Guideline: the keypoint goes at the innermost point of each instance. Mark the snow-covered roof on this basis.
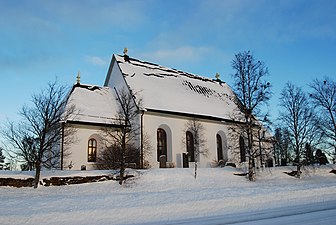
(172, 90)
(93, 104)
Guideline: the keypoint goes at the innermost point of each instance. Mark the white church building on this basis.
(170, 98)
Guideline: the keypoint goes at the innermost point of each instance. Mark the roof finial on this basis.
(217, 76)
(78, 78)
(126, 57)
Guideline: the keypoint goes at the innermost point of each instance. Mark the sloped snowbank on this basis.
(162, 195)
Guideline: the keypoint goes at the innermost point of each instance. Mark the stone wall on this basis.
(53, 181)
(17, 182)
(58, 181)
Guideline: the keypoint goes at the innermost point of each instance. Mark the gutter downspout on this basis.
(62, 144)
(141, 140)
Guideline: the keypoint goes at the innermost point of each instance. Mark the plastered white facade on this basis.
(77, 151)
(175, 128)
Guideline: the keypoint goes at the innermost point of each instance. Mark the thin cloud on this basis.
(97, 14)
(96, 60)
(183, 54)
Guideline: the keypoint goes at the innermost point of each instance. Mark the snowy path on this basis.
(308, 214)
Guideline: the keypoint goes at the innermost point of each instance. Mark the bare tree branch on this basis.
(123, 147)
(252, 91)
(36, 139)
(199, 141)
(323, 97)
(298, 117)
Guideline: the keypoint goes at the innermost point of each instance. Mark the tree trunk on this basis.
(251, 172)
(37, 174)
(123, 151)
(122, 172)
(298, 168)
(196, 152)
(195, 169)
(122, 168)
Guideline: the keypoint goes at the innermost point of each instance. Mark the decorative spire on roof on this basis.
(126, 57)
(218, 79)
(78, 78)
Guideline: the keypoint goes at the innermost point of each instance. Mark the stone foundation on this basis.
(54, 181)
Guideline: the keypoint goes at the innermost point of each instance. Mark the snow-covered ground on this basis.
(173, 196)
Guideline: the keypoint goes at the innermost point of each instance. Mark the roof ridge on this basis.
(167, 69)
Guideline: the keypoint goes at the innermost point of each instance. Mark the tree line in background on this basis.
(307, 129)
(305, 132)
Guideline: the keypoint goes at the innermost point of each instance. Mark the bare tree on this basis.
(282, 149)
(252, 91)
(111, 156)
(124, 141)
(36, 139)
(323, 97)
(278, 145)
(298, 117)
(2, 160)
(198, 142)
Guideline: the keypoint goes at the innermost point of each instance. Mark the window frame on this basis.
(161, 139)
(190, 147)
(220, 155)
(92, 150)
(242, 149)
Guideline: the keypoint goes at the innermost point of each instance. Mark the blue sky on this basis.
(42, 39)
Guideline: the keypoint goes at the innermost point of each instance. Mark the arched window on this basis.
(242, 149)
(92, 150)
(219, 147)
(190, 146)
(161, 143)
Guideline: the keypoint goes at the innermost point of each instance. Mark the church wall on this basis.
(78, 150)
(175, 127)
